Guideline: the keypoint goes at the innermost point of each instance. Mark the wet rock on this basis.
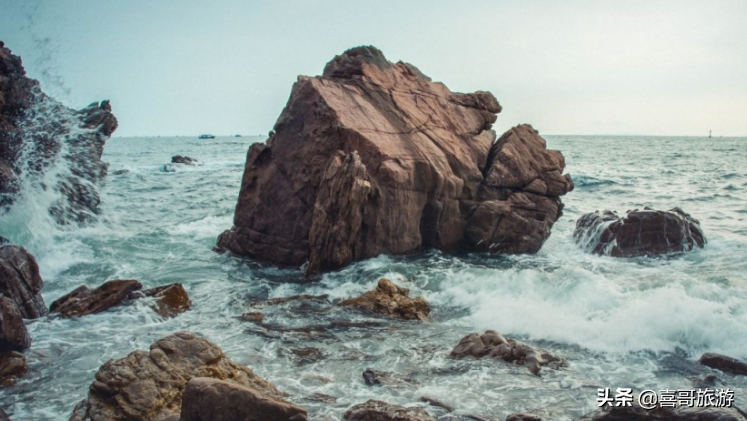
(148, 385)
(171, 299)
(437, 403)
(373, 377)
(209, 399)
(320, 398)
(636, 413)
(21, 282)
(523, 417)
(292, 298)
(35, 130)
(645, 232)
(493, 344)
(391, 300)
(3, 415)
(121, 172)
(168, 168)
(374, 410)
(179, 159)
(12, 367)
(254, 317)
(13, 333)
(307, 355)
(82, 300)
(706, 381)
(373, 157)
(722, 362)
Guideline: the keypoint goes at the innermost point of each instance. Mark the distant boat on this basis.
(206, 136)
(237, 135)
(709, 134)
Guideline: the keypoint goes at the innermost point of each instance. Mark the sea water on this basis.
(637, 323)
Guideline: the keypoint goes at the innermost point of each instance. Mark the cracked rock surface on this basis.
(374, 157)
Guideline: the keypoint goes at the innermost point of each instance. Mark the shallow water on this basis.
(639, 323)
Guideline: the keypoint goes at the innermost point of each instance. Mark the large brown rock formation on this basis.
(373, 157)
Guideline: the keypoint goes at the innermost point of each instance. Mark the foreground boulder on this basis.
(38, 133)
(724, 363)
(206, 399)
(12, 367)
(393, 301)
(636, 413)
(83, 300)
(640, 233)
(374, 410)
(373, 157)
(493, 344)
(148, 385)
(13, 333)
(21, 282)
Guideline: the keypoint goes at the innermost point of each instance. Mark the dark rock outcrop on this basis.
(179, 159)
(3, 416)
(724, 363)
(393, 301)
(12, 367)
(37, 133)
(374, 410)
(522, 417)
(208, 399)
(21, 282)
(640, 233)
(636, 413)
(493, 344)
(13, 333)
(373, 157)
(148, 385)
(83, 300)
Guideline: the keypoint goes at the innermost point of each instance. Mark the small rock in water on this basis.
(708, 380)
(393, 301)
(523, 417)
(437, 403)
(494, 345)
(374, 410)
(82, 300)
(4, 416)
(640, 233)
(724, 363)
(171, 299)
(12, 367)
(307, 355)
(179, 159)
(208, 399)
(253, 316)
(168, 168)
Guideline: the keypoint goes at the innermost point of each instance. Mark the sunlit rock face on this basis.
(374, 157)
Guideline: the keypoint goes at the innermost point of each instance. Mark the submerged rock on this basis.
(724, 363)
(393, 301)
(640, 233)
(148, 385)
(179, 159)
(83, 300)
(522, 417)
(437, 403)
(373, 157)
(21, 282)
(493, 344)
(38, 133)
(209, 399)
(12, 367)
(13, 333)
(374, 410)
(636, 413)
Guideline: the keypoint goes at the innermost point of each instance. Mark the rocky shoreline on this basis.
(370, 158)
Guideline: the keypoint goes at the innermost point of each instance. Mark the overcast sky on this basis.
(185, 67)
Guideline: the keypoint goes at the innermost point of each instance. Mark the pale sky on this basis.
(186, 67)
